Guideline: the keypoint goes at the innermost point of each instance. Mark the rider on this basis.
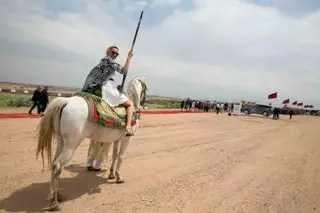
(101, 83)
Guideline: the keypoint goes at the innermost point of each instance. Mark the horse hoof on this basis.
(55, 206)
(111, 176)
(120, 181)
(60, 197)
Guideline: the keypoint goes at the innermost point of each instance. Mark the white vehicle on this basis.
(237, 105)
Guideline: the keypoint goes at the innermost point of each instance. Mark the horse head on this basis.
(137, 91)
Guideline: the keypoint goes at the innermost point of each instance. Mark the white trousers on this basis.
(98, 150)
(111, 94)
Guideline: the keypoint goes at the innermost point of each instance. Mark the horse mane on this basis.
(131, 91)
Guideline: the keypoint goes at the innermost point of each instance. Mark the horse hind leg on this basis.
(55, 170)
(58, 150)
(57, 166)
(53, 195)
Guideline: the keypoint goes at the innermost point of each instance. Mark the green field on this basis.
(24, 100)
(6, 96)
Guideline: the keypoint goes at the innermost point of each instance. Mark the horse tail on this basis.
(46, 129)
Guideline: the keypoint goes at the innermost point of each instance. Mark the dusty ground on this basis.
(178, 163)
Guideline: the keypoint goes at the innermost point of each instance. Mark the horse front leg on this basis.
(115, 153)
(123, 146)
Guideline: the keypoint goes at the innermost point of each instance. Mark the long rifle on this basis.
(120, 87)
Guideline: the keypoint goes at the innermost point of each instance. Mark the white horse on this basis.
(67, 119)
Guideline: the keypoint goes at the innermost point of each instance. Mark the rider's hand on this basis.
(130, 54)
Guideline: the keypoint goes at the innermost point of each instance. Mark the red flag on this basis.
(311, 106)
(286, 101)
(273, 95)
(306, 106)
(295, 103)
(300, 104)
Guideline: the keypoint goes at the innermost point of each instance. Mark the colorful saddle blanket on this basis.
(105, 115)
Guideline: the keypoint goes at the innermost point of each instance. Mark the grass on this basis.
(162, 103)
(6, 96)
(152, 103)
(155, 106)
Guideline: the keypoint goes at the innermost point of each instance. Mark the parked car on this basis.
(261, 109)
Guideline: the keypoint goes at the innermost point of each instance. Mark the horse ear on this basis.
(143, 79)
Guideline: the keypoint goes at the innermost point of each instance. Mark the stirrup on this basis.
(129, 132)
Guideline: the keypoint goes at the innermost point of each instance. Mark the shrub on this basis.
(21, 101)
(163, 103)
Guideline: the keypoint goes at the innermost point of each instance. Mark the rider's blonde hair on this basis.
(110, 48)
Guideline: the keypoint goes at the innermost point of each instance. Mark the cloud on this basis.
(290, 7)
(211, 49)
(134, 6)
(162, 2)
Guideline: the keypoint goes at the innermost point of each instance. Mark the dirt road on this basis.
(177, 163)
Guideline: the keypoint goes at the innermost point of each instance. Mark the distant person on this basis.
(182, 105)
(207, 106)
(196, 106)
(44, 99)
(193, 105)
(225, 106)
(186, 104)
(291, 113)
(35, 99)
(276, 112)
(190, 105)
(218, 108)
(200, 106)
(97, 152)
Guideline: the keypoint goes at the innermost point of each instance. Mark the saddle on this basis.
(105, 115)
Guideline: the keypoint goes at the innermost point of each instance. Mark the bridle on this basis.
(143, 94)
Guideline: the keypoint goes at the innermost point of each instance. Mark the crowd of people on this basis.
(205, 106)
(40, 100)
(218, 107)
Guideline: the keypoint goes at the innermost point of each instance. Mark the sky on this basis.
(202, 49)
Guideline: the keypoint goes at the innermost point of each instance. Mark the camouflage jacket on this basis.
(101, 73)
